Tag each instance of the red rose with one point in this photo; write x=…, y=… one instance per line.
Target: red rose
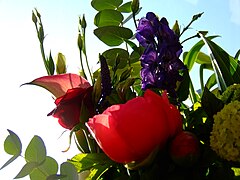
x=131, y=131
x=184, y=149
x=69, y=106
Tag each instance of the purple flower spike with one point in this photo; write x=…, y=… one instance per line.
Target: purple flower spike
x=160, y=61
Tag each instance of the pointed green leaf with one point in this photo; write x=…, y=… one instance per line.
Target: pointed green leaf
x=176, y=28
x=47, y=168
x=237, y=54
x=105, y=4
x=203, y=58
x=27, y=169
x=211, y=81
x=36, y=150
x=12, y=144
x=9, y=161
x=125, y=8
x=226, y=68
x=210, y=103
x=59, y=84
x=108, y=17
x=192, y=55
x=113, y=35
x=69, y=170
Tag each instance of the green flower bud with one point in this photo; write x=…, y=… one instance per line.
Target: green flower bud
x=80, y=41
x=34, y=18
x=135, y=6
x=61, y=64
x=83, y=22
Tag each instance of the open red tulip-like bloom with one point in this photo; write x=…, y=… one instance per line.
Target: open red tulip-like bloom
x=131, y=131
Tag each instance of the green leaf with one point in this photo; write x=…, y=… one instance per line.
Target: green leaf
x=59, y=84
x=12, y=144
x=69, y=170
x=9, y=161
x=210, y=103
x=97, y=163
x=86, y=161
x=113, y=35
x=237, y=54
x=211, y=81
x=95, y=173
x=226, y=68
x=191, y=56
x=183, y=88
x=125, y=8
x=47, y=168
x=108, y=17
x=203, y=58
x=100, y=5
x=27, y=169
x=36, y=150
x=111, y=55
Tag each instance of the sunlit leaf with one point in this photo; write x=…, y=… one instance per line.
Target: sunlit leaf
x=59, y=84
x=108, y=17
x=113, y=35
x=69, y=170
x=203, y=58
x=226, y=68
x=27, y=169
x=211, y=81
x=36, y=150
x=125, y=8
x=100, y=5
x=47, y=168
x=192, y=55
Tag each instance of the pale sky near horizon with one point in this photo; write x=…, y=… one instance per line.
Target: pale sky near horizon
x=24, y=109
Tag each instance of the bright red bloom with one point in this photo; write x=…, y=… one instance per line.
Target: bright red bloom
x=131, y=131
x=69, y=106
x=184, y=149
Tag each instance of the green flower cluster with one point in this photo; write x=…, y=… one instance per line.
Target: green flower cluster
x=225, y=135
x=232, y=93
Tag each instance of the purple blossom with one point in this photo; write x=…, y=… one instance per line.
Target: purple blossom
x=160, y=61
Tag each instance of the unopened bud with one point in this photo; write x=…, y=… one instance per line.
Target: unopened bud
x=61, y=64
x=34, y=18
x=135, y=6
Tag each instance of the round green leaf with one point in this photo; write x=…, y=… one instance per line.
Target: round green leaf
x=69, y=170
x=12, y=144
x=36, y=150
x=108, y=17
x=46, y=169
x=105, y=4
x=111, y=55
x=113, y=35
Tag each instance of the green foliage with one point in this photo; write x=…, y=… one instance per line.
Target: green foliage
x=96, y=163
x=113, y=35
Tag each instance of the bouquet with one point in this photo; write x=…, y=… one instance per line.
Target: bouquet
x=138, y=116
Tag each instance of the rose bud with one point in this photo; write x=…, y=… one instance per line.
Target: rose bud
x=184, y=149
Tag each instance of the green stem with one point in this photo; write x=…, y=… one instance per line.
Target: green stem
x=85, y=54
x=81, y=62
x=90, y=142
x=201, y=76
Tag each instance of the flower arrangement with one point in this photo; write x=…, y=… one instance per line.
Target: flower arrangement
x=138, y=116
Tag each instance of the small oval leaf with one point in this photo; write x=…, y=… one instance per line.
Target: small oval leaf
x=69, y=170
x=113, y=35
x=108, y=17
x=12, y=144
x=105, y=4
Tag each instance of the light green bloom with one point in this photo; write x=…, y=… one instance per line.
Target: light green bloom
x=232, y=93
x=225, y=136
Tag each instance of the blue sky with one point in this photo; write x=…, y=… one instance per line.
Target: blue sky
x=24, y=109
